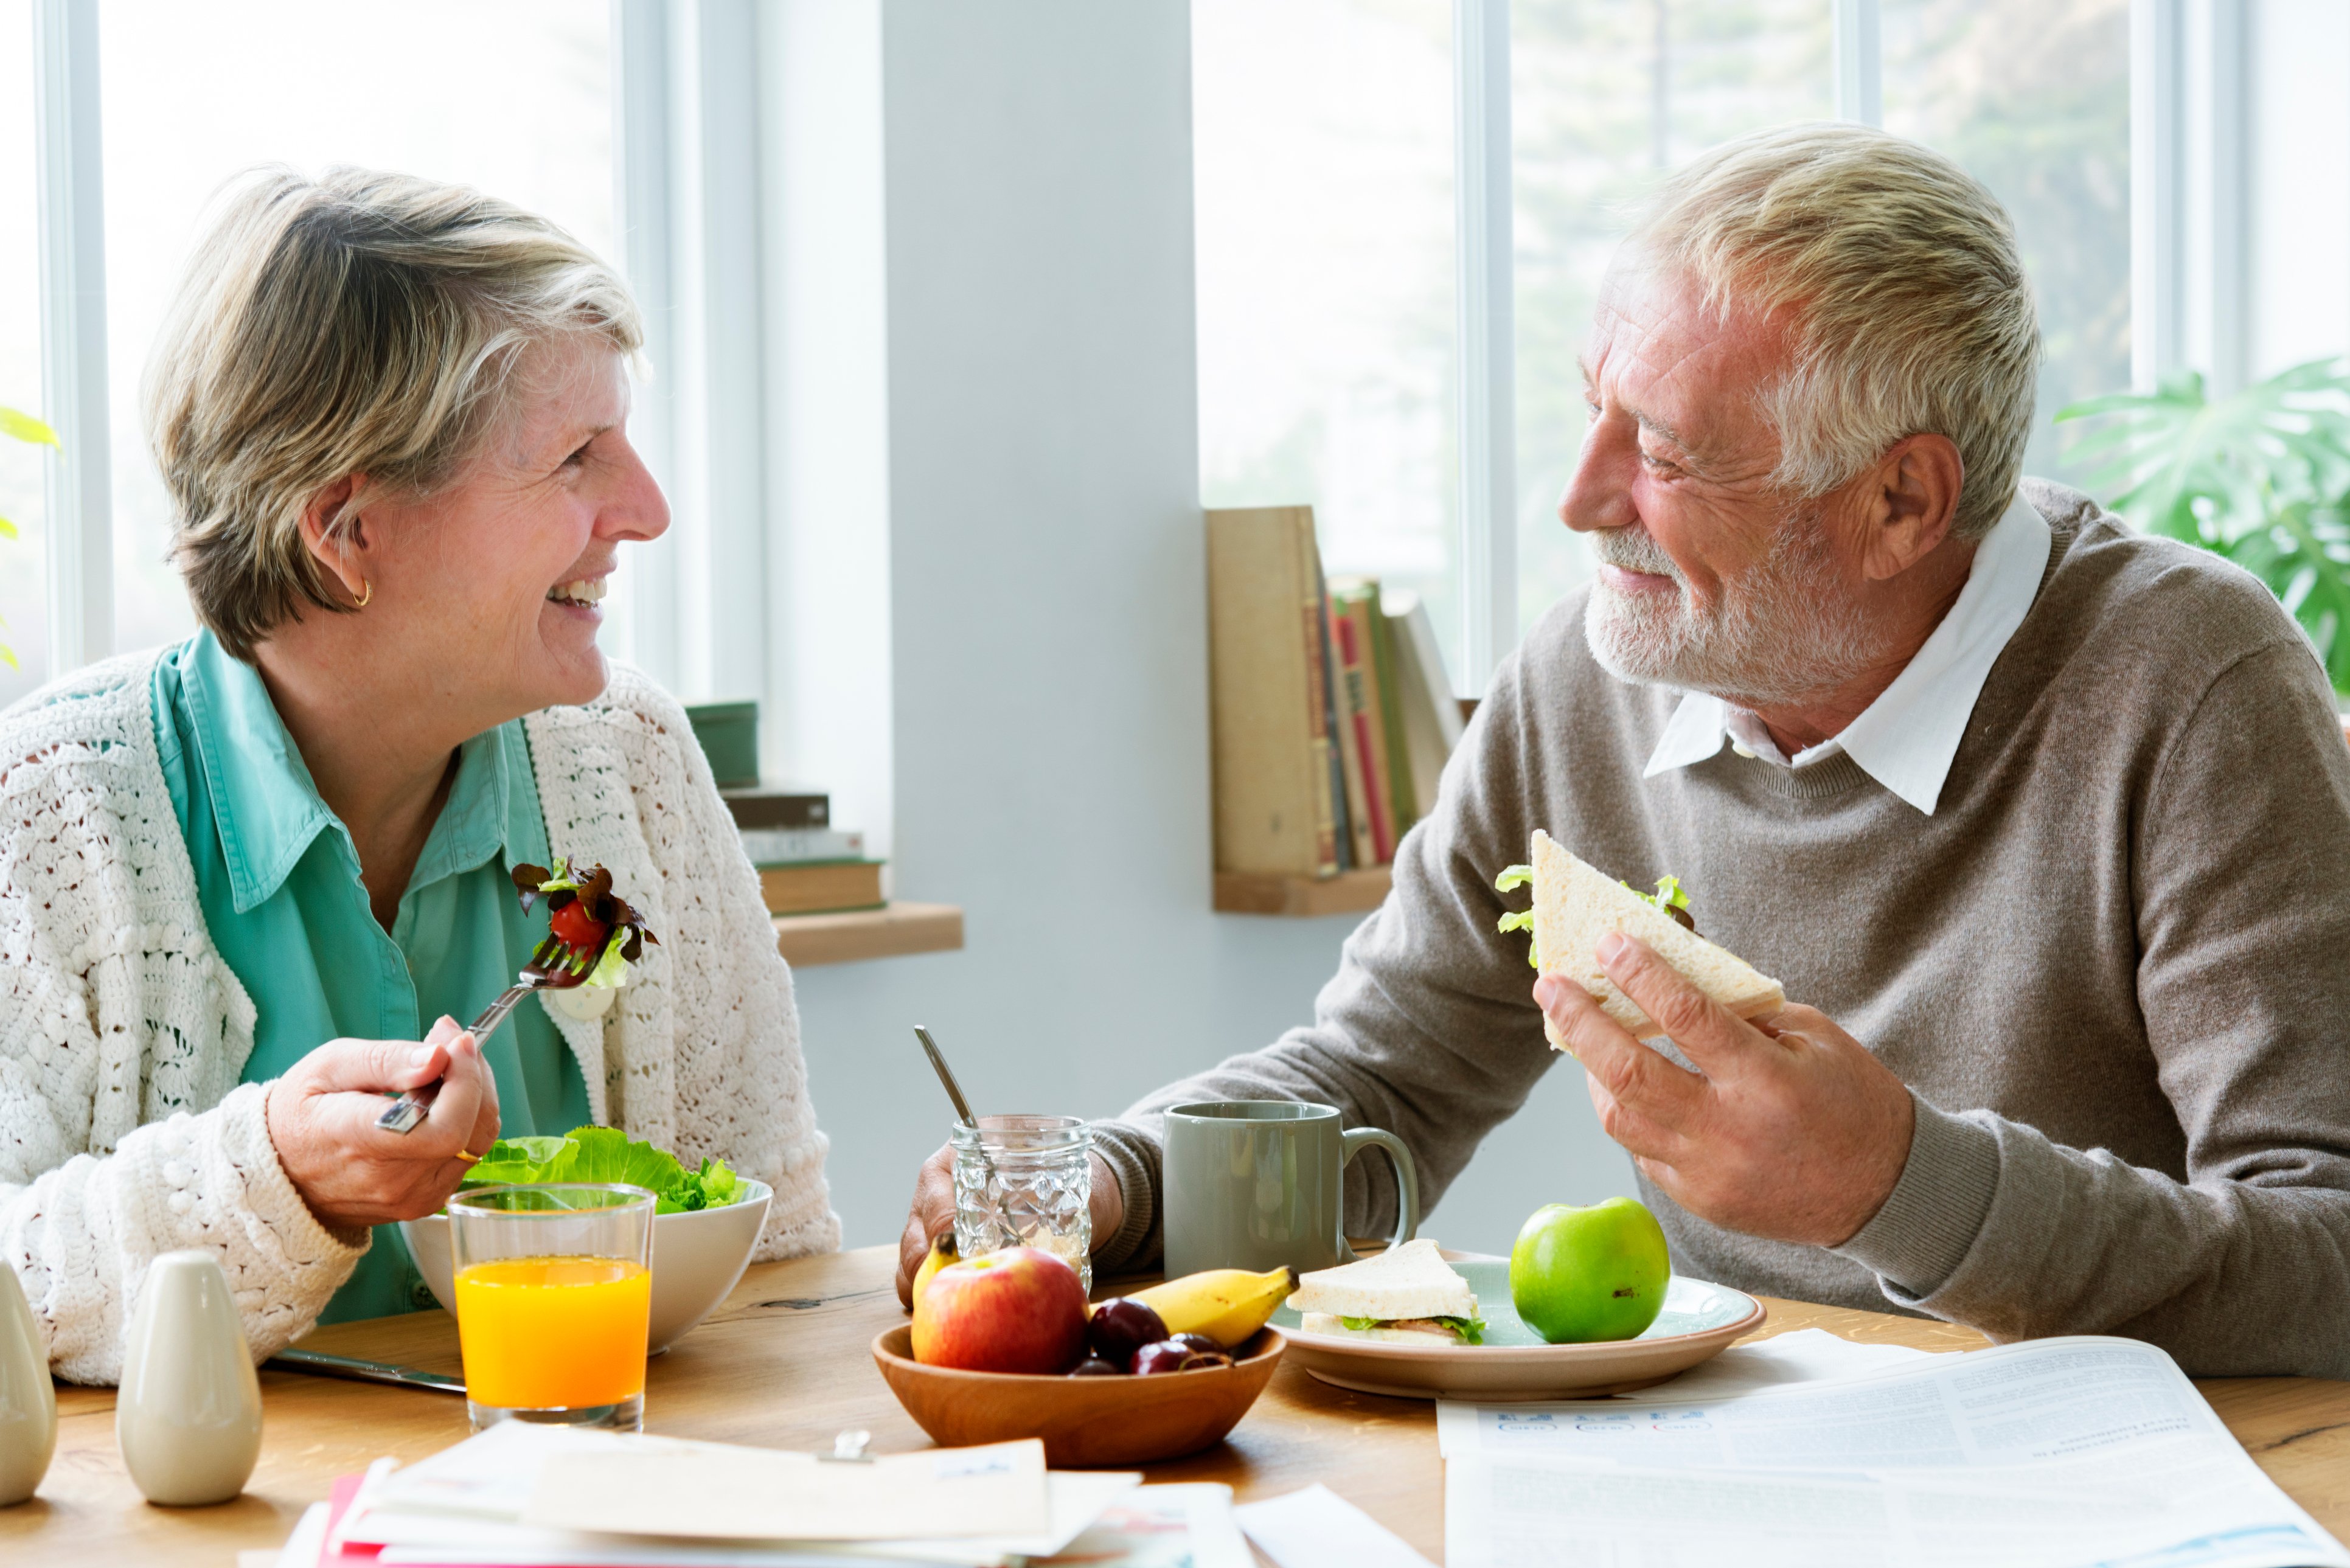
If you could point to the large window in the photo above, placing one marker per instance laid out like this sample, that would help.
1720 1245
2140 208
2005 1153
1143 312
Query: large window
1329 346
2032 97
1327 368
24 571
509 96
1607 96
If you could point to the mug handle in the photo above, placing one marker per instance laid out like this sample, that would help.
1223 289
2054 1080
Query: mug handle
1355 1141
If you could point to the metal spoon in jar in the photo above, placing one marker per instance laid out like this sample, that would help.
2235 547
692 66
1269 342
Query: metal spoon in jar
962 1112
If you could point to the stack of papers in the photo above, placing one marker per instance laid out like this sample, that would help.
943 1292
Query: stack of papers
2055 1452
520 1496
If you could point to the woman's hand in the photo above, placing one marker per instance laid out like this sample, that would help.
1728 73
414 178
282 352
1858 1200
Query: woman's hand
354 1174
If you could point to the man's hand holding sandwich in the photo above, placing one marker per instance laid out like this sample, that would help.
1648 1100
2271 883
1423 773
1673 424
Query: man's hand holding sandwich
1789 1128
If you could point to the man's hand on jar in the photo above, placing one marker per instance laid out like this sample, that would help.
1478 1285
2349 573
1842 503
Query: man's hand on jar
354 1174
1790 1128
934 1208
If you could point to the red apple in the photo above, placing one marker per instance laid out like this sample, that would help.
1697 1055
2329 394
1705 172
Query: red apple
1019 1310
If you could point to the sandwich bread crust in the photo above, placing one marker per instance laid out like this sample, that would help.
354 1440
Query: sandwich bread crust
1575 906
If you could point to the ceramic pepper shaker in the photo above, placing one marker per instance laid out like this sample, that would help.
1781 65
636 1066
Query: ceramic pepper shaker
28 1400
188 1417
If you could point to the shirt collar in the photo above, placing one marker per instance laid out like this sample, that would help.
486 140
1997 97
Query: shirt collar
1907 738
266 807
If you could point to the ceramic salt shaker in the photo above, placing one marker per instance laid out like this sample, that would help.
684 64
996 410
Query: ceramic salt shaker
189 1414
28 1400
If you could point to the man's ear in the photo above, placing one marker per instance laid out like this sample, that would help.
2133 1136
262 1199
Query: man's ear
337 537
1913 502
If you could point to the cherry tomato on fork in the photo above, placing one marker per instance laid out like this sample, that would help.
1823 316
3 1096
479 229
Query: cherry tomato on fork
573 927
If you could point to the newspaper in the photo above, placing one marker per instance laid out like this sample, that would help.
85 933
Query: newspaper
2055 1452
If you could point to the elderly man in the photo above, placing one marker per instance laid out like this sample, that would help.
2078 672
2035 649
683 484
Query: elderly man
2050 819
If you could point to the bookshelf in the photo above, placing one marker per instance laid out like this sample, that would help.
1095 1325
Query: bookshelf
1311 898
1306 898
892 931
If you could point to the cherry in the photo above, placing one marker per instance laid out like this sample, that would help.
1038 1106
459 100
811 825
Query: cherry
1121 1326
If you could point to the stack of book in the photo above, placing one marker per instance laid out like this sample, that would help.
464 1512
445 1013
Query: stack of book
1332 711
806 866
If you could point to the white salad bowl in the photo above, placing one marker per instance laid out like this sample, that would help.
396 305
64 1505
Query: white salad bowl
697 1258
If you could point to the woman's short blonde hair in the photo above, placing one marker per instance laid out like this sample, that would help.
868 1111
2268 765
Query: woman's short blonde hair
357 324
1899 278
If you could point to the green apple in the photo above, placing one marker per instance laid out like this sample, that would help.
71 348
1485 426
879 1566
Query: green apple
1582 1275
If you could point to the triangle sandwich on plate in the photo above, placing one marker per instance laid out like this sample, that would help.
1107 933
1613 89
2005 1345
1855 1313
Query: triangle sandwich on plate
1407 1295
1575 906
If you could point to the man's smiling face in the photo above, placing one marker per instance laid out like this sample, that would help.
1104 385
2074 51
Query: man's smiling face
1711 577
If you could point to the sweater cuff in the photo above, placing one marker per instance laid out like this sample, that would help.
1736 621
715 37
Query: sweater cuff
1937 1208
1132 1156
271 1194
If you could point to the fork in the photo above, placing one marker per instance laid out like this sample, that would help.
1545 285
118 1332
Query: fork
555 965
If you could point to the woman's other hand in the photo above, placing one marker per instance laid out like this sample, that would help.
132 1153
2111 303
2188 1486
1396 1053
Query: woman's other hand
354 1174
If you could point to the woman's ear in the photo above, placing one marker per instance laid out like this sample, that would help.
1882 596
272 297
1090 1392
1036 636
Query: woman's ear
1917 502
336 535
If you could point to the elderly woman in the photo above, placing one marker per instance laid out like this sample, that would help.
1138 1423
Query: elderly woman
241 878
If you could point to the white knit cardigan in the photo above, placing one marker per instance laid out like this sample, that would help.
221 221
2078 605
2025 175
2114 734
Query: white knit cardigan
124 1133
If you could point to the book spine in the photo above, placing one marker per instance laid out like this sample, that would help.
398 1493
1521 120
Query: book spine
1344 818
753 808
1405 799
1363 759
791 846
1261 707
1317 702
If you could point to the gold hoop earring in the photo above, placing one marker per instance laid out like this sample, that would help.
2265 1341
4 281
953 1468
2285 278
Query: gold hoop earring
367 592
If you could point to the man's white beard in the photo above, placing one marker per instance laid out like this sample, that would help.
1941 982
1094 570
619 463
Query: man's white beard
1782 633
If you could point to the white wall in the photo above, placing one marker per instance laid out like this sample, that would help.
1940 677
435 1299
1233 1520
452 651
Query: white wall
1046 621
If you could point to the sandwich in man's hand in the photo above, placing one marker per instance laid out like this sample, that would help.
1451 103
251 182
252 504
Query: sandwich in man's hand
1406 1294
1575 906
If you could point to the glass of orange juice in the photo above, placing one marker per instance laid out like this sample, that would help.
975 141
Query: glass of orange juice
554 1289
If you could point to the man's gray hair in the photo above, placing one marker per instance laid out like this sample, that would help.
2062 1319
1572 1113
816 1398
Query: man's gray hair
1898 277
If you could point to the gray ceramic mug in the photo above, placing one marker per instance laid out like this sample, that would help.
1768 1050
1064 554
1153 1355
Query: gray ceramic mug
1255 1184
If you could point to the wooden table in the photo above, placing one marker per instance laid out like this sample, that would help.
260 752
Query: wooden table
783 1364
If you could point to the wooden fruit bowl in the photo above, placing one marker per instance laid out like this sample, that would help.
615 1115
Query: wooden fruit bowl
1087 1423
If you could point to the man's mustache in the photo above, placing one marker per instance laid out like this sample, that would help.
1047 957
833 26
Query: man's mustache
1634 551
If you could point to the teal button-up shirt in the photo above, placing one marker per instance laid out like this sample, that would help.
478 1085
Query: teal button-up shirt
278 881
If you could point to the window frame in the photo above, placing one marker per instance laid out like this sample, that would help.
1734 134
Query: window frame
684 612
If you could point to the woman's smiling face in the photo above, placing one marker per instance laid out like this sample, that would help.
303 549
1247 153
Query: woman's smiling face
492 581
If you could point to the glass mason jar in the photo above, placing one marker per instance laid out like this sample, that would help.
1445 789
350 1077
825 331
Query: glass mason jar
1025 1182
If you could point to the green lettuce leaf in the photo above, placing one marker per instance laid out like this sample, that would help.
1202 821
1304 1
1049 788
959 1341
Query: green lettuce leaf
610 971
1471 1330
720 1186
1670 893
1515 877
609 1155
514 1160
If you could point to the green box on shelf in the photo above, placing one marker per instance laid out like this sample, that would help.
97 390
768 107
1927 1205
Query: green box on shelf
729 733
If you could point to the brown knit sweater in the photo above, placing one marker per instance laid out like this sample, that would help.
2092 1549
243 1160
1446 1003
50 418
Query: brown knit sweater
2110 966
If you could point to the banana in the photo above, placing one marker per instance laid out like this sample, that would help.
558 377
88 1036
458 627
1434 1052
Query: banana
942 1252
1226 1304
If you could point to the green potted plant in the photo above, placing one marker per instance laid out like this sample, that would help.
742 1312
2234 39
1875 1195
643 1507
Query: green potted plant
24 427
2261 477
